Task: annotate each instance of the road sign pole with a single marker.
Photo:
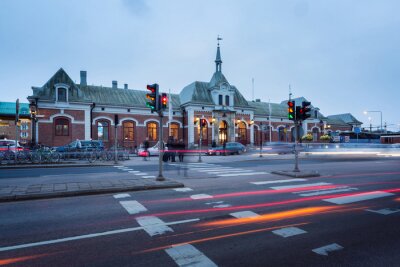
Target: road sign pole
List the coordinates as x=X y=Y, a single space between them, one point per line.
x=296 y=152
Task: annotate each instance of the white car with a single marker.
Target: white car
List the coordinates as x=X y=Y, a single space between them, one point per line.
x=152 y=151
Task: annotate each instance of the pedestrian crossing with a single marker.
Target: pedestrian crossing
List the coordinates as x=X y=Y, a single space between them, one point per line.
x=134 y=172
x=218 y=170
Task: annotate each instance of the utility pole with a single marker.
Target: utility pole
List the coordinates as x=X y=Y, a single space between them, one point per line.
x=160 y=147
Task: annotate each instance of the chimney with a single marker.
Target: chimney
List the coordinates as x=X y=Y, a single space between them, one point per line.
x=83 y=77
x=114 y=84
x=125 y=86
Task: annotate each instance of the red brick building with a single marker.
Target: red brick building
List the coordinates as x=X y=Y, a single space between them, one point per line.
x=67 y=111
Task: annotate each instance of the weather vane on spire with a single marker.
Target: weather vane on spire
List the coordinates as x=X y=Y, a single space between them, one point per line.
x=218 y=39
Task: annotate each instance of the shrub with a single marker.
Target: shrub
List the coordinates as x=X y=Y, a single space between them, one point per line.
x=307 y=137
x=325 y=137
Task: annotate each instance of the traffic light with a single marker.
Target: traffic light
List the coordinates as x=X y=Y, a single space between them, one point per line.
x=291 y=110
x=203 y=123
x=164 y=101
x=152 y=97
x=306 y=110
x=299 y=113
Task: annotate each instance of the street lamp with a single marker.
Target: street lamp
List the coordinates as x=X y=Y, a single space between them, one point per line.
x=369 y=111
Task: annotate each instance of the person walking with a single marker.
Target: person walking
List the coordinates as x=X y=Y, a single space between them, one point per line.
x=146 y=148
x=181 y=149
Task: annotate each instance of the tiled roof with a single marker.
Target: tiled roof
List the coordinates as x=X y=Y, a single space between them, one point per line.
x=346 y=117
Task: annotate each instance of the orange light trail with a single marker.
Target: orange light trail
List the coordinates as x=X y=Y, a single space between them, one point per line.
x=221 y=237
x=21 y=259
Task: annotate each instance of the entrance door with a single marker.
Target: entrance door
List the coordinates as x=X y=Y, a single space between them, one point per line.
x=223 y=132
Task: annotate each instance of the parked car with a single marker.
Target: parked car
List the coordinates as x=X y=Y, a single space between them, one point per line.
x=81 y=145
x=280 y=148
x=230 y=149
x=152 y=151
x=9 y=145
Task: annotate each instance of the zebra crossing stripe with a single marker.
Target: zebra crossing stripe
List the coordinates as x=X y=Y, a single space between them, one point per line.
x=289 y=231
x=297 y=186
x=325 y=192
x=358 y=197
x=241 y=174
x=385 y=211
x=184 y=189
x=244 y=214
x=279 y=181
x=132 y=206
x=325 y=249
x=121 y=196
x=200 y=196
x=188 y=255
x=153 y=225
x=149 y=176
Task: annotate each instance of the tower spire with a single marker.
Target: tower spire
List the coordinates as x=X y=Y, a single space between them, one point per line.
x=218 y=61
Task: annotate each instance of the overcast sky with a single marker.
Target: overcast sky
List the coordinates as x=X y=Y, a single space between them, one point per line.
x=343 y=56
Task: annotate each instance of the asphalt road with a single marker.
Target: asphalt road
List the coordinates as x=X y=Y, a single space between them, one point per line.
x=231 y=214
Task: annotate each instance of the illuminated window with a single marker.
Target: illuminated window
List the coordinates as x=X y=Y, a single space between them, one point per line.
x=242 y=132
x=152 y=131
x=174 y=131
x=61 y=127
x=102 y=130
x=129 y=131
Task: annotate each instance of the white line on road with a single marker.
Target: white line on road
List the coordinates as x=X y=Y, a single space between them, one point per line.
x=79 y=237
x=153 y=225
x=289 y=231
x=134 y=171
x=222 y=206
x=385 y=211
x=297 y=186
x=118 y=166
x=244 y=214
x=216 y=202
x=279 y=181
x=149 y=176
x=325 y=192
x=188 y=255
x=184 y=189
x=200 y=196
x=121 y=195
x=210 y=169
x=358 y=197
x=229 y=171
x=140 y=173
x=242 y=174
x=132 y=206
x=325 y=249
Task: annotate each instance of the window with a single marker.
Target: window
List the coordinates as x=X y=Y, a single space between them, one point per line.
x=102 y=130
x=152 y=131
x=62 y=127
x=24 y=126
x=227 y=100
x=174 y=131
x=24 y=135
x=62 y=95
x=220 y=100
x=242 y=132
x=128 y=131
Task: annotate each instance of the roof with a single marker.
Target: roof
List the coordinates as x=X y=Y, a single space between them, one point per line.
x=262 y=109
x=9 y=108
x=94 y=94
x=345 y=117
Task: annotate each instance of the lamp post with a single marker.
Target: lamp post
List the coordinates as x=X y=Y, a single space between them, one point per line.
x=369 y=111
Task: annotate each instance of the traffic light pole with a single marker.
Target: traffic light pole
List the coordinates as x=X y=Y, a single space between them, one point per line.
x=160 y=148
x=296 y=152
x=201 y=135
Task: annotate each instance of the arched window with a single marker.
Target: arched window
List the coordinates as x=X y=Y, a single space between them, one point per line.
x=220 y=100
x=227 y=100
x=281 y=134
x=103 y=128
x=61 y=127
x=204 y=133
x=174 y=131
x=242 y=133
x=152 y=131
x=223 y=132
x=129 y=130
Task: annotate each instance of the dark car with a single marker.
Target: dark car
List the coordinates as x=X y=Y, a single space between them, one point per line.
x=230 y=149
x=81 y=145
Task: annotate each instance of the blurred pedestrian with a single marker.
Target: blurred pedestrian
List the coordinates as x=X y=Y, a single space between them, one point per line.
x=181 y=150
x=146 y=148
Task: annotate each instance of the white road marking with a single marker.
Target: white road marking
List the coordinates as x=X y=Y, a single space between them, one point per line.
x=140 y=173
x=222 y=206
x=297 y=186
x=132 y=206
x=325 y=249
x=230 y=171
x=216 y=202
x=127 y=169
x=188 y=255
x=385 y=211
x=279 y=181
x=79 y=237
x=149 y=176
x=289 y=231
x=184 y=189
x=121 y=195
x=210 y=169
x=118 y=166
x=200 y=196
x=153 y=225
x=325 y=192
x=358 y=197
x=244 y=214
x=242 y=174
x=134 y=171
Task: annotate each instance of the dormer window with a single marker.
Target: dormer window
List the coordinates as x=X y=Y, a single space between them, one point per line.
x=62 y=94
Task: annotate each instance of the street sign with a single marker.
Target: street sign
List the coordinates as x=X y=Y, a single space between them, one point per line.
x=357 y=130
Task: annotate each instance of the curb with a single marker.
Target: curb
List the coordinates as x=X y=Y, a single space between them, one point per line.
x=297 y=174
x=38 y=166
x=99 y=191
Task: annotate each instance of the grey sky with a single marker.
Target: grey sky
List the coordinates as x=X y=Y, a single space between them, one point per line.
x=343 y=56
